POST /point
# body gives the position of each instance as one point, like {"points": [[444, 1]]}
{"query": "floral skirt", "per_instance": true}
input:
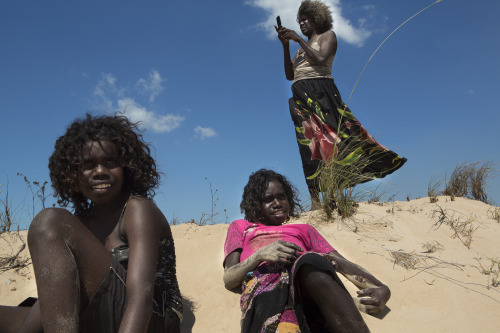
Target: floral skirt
{"points": [[326, 129], [270, 301]]}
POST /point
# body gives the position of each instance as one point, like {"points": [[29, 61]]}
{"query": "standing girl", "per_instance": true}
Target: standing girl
{"points": [[110, 265], [324, 126]]}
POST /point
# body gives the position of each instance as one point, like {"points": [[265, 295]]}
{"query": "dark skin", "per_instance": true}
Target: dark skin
{"points": [[318, 289], [327, 49], [327, 44], [72, 256]]}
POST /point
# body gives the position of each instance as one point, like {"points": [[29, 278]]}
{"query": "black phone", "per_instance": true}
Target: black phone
{"points": [[278, 21]]}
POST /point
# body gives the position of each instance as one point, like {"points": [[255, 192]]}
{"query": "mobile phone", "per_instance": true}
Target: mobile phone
{"points": [[278, 21]]}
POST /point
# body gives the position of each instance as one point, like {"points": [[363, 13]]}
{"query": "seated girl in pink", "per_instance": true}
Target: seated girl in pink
{"points": [[287, 272]]}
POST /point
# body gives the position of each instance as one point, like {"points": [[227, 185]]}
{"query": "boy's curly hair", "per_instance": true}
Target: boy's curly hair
{"points": [[318, 12], [253, 194], [140, 175]]}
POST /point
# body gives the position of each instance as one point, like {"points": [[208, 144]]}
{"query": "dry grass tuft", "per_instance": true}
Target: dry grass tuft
{"points": [[492, 269], [469, 181], [463, 230], [404, 259], [337, 187], [338, 179], [14, 260], [494, 213], [6, 213], [420, 262], [375, 195], [432, 247], [479, 179], [433, 190]]}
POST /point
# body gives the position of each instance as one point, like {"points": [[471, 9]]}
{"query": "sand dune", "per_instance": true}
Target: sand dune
{"points": [[429, 254]]}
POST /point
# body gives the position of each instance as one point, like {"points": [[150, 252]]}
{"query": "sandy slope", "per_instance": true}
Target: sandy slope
{"points": [[443, 291]]}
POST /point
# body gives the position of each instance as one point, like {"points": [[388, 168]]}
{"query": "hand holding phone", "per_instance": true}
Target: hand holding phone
{"points": [[278, 21]]}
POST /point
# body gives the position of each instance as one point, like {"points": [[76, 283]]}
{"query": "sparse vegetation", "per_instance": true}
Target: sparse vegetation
{"points": [[463, 230], [491, 269], [9, 217], [209, 218], [433, 190], [10, 213], [375, 195], [7, 212], [404, 259], [469, 180], [338, 178], [494, 213], [38, 192], [175, 220], [432, 247], [417, 261], [14, 260]]}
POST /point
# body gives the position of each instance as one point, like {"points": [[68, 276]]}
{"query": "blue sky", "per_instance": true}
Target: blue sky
{"points": [[207, 79]]}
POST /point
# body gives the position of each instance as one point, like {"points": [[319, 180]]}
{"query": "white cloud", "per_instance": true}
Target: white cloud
{"points": [[149, 119], [204, 132], [107, 92], [287, 10], [152, 85]]}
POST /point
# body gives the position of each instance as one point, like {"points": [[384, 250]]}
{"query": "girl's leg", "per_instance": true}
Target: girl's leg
{"points": [[318, 289], [69, 264]]}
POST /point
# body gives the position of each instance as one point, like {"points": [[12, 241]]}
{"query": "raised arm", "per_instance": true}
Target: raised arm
{"points": [[373, 294], [286, 53], [144, 227], [235, 271]]}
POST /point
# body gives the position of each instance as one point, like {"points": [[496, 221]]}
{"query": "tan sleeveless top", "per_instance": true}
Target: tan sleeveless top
{"points": [[304, 68]]}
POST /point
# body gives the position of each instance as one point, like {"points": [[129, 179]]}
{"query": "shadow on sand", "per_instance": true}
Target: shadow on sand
{"points": [[188, 316]]}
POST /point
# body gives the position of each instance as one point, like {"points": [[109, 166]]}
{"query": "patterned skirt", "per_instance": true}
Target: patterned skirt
{"points": [[326, 129], [270, 301]]}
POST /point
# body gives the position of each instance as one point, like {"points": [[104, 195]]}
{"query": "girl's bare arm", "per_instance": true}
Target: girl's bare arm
{"points": [[286, 54], [373, 294]]}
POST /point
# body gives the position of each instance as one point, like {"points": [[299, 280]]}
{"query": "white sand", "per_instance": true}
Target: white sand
{"points": [[445, 291]]}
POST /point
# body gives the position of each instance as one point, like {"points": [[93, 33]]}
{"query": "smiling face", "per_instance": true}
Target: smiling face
{"points": [[101, 177], [275, 206]]}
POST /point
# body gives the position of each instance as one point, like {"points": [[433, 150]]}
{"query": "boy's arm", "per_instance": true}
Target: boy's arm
{"points": [[143, 225], [373, 294]]}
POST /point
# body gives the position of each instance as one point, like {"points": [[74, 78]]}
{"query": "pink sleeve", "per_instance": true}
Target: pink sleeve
{"points": [[234, 238], [317, 242]]}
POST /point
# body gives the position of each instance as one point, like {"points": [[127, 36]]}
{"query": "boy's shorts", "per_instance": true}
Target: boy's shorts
{"points": [[105, 310]]}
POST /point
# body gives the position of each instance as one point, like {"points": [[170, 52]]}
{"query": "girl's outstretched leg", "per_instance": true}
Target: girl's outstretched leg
{"points": [[69, 264], [319, 289]]}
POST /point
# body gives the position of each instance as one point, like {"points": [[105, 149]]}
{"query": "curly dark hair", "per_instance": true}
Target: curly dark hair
{"points": [[318, 12], [140, 175], [253, 194]]}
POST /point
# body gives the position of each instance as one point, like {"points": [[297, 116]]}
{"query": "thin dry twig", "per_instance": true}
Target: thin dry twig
{"points": [[463, 230]]}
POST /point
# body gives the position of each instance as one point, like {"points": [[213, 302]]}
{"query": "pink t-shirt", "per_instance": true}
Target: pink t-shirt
{"points": [[250, 237]]}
